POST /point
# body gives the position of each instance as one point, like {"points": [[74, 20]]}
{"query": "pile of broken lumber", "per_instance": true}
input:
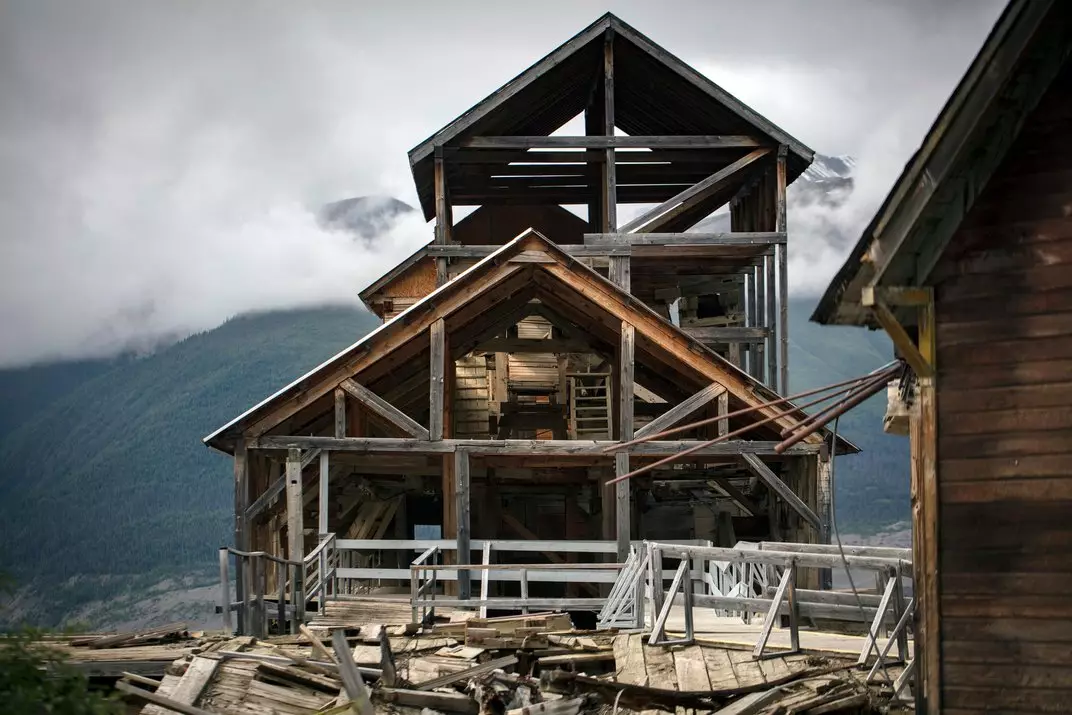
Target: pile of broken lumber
{"points": [[519, 665]]}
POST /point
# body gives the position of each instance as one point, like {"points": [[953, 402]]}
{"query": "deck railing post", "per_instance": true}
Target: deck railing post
{"points": [[281, 597], [225, 590], [525, 591], [246, 622]]}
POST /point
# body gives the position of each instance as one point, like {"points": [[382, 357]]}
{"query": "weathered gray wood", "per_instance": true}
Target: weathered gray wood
{"points": [[461, 675], [782, 253], [384, 409], [887, 552], [711, 335], [772, 323], [340, 412], [620, 272], [576, 250], [437, 379], [723, 409], [225, 591], [163, 701], [716, 141], [435, 702], [610, 174], [623, 507], [777, 558], [548, 447], [295, 528], [241, 531], [274, 490], [323, 505], [735, 495], [682, 410], [614, 241], [194, 680], [534, 345], [443, 218], [692, 195], [784, 587], [461, 495], [351, 676], [782, 489]]}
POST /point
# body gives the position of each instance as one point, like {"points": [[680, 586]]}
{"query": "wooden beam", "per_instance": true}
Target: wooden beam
{"points": [[734, 494], [682, 410], [744, 238], [384, 409], [461, 496], [608, 142], [576, 250], [772, 323], [444, 218], [776, 485], [782, 253], [610, 176], [904, 344], [718, 335], [340, 412], [626, 372], [723, 409], [685, 200], [534, 345], [437, 379], [323, 505], [524, 447], [295, 528]]}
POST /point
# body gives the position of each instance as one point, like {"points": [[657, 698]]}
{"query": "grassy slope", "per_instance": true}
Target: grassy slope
{"points": [[111, 478]]}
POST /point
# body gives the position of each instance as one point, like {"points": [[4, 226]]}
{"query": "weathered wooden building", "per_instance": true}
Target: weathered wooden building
{"points": [[524, 343], [968, 267]]}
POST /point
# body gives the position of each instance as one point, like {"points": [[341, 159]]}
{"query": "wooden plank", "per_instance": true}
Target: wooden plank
{"points": [[384, 409], [295, 529], [660, 666], [340, 412], [160, 700], [719, 668], [575, 250], [629, 659], [437, 380], [658, 216], [609, 168], [462, 506], [719, 141], [698, 238], [691, 669], [679, 412], [522, 447], [782, 489], [734, 494], [351, 677]]}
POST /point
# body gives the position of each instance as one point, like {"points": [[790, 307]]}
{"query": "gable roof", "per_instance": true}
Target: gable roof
{"points": [[655, 94], [551, 270], [900, 247]]}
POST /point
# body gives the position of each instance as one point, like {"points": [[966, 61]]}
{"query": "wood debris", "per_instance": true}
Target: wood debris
{"points": [[521, 665]]}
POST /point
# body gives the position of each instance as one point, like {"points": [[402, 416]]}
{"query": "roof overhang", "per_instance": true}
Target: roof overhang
{"points": [[939, 185]]}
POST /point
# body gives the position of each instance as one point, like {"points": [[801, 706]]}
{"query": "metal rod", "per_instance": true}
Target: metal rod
{"points": [[722, 438], [877, 384], [873, 374], [747, 410]]}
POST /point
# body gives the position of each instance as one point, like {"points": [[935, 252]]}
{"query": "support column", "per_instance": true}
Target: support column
{"points": [[625, 432], [444, 218], [438, 380], [759, 303], [610, 173], [241, 528], [323, 506], [295, 528], [461, 496], [782, 252], [772, 323], [340, 412]]}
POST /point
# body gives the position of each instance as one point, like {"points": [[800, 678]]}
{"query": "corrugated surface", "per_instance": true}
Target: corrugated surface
{"points": [[1004, 318]]}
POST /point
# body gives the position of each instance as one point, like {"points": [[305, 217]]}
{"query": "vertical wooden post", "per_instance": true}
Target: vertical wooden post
{"points": [[323, 507], [620, 272], [625, 432], [340, 412], [241, 529], [437, 380], [444, 219], [610, 174], [295, 528], [772, 323], [782, 250], [461, 496], [759, 304], [723, 407], [748, 298]]}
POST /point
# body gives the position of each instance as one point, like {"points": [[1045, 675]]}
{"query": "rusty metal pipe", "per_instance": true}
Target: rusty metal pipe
{"points": [[716, 440], [891, 371], [737, 413], [833, 412]]}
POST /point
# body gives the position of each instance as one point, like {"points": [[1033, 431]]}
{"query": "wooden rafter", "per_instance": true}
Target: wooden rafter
{"points": [[384, 409]]}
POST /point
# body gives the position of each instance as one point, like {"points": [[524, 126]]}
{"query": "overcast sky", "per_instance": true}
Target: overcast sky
{"points": [[159, 160]]}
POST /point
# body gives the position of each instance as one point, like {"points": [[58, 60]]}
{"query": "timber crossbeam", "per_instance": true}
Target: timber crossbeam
{"points": [[520, 447]]}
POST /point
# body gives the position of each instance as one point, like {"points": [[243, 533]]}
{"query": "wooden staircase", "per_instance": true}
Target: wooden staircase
{"points": [[590, 405]]}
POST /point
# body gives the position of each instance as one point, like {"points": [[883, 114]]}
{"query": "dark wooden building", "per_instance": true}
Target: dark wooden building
{"points": [[968, 267]]}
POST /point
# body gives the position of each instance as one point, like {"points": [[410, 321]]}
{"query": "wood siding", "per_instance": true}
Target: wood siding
{"points": [[1003, 295]]}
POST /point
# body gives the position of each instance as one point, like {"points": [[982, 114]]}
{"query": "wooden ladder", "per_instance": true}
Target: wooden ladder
{"points": [[590, 405]]}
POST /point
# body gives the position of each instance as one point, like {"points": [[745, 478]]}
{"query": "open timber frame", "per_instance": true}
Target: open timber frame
{"points": [[524, 344]]}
